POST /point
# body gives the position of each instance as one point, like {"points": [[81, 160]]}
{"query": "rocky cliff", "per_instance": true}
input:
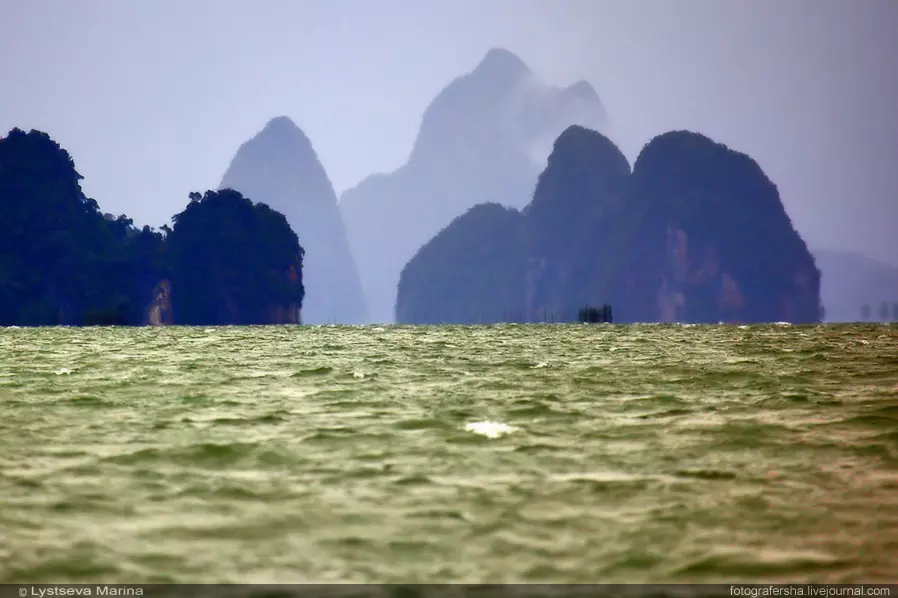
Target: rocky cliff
{"points": [[484, 139], [715, 242], [159, 311], [696, 233], [279, 167]]}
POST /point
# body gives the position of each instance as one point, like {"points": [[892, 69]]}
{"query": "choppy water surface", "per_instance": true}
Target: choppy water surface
{"points": [[440, 454]]}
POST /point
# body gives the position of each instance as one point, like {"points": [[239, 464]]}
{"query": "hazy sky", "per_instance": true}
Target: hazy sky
{"points": [[153, 97]]}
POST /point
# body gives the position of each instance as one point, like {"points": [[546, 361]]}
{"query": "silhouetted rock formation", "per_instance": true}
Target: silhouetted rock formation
{"points": [[715, 243], [279, 167], [471, 272], [234, 263], [571, 215], [64, 262], [484, 138], [696, 233], [61, 260]]}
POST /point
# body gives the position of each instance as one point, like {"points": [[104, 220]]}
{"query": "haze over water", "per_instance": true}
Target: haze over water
{"points": [[511, 453]]}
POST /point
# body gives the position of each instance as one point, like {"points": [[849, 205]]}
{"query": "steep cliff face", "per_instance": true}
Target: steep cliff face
{"points": [[716, 243], [159, 311], [483, 139], [279, 167], [696, 233]]}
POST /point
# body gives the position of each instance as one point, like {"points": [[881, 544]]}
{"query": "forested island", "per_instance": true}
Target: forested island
{"points": [[225, 260], [695, 233], [514, 205]]}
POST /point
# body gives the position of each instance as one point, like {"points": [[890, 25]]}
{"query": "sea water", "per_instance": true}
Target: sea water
{"points": [[509, 453]]}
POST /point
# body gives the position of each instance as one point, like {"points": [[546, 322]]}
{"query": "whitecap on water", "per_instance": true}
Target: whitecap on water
{"points": [[63, 372], [541, 364], [743, 327], [358, 375], [489, 429]]}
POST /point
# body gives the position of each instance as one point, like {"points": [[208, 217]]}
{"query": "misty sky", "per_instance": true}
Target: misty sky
{"points": [[153, 97]]}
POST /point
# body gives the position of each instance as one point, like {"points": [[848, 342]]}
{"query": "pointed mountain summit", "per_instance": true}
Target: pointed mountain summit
{"points": [[500, 63], [484, 139], [583, 90], [280, 168]]}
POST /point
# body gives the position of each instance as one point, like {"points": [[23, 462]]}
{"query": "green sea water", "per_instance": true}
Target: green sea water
{"points": [[511, 453]]}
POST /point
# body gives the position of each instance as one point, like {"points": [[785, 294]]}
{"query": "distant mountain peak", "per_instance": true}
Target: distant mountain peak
{"points": [[284, 128], [580, 158], [499, 61], [278, 166], [583, 90], [575, 133], [485, 137], [282, 142], [281, 122], [577, 140]]}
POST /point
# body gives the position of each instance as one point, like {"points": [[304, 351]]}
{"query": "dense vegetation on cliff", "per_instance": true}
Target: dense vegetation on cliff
{"points": [[696, 233], [62, 261]]}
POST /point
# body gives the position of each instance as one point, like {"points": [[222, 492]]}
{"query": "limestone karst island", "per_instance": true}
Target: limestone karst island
{"points": [[515, 205]]}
